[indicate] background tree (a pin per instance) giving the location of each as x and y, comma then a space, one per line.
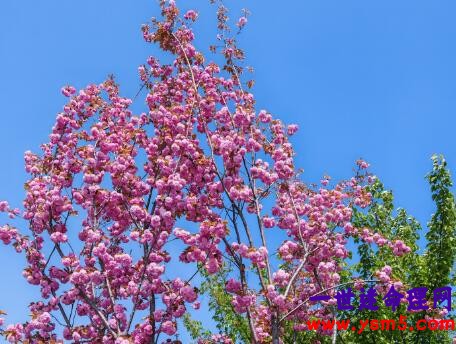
431, 267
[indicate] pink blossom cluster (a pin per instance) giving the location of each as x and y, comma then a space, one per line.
201, 168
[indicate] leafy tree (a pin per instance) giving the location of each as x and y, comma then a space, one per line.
432, 268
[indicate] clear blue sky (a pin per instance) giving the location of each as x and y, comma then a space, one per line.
371, 79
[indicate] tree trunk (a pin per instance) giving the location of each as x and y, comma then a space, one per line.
275, 328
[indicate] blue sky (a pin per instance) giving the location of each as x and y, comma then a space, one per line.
371, 79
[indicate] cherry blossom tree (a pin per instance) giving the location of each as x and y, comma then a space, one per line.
201, 172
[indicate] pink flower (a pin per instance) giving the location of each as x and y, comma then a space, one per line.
168, 327
188, 293
212, 266
292, 129
264, 117
68, 91
58, 237
242, 303
268, 222
241, 22
191, 14
281, 277
233, 286
400, 248
362, 164
76, 336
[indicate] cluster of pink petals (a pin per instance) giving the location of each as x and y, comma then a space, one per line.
107, 196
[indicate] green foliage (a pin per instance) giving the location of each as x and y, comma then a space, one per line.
195, 328
382, 218
227, 320
432, 269
441, 249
